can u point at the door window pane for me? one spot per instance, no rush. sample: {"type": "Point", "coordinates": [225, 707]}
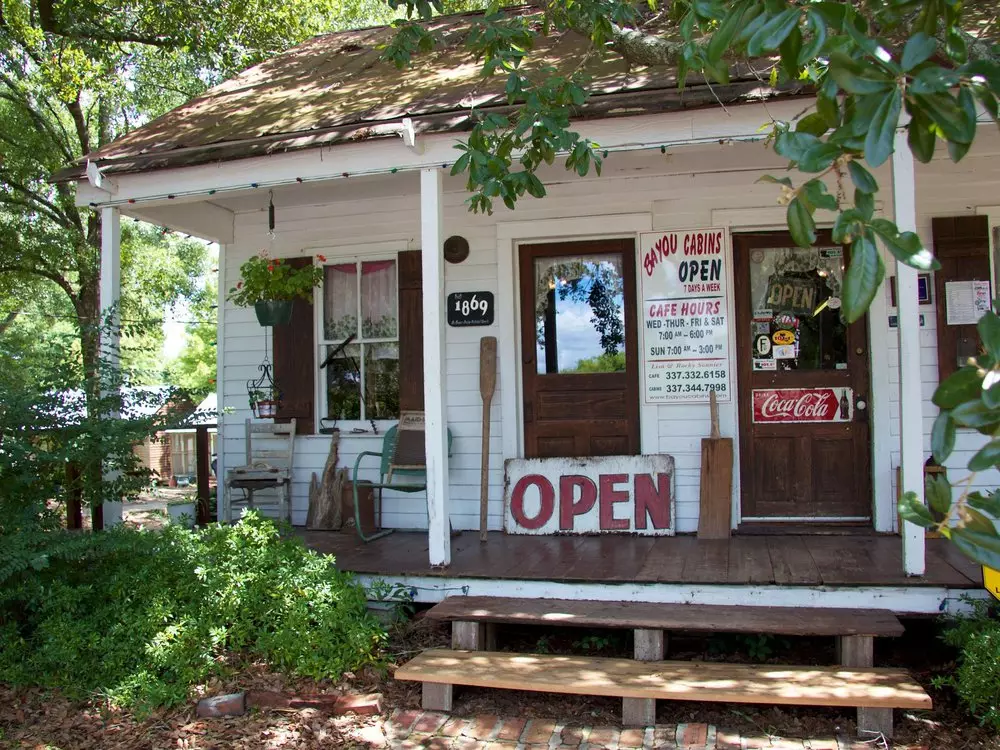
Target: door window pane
{"type": "Point", "coordinates": [795, 297]}
{"type": "Point", "coordinates": [343, 384]}
{"type": "Point", "coordinates": [378, 299]}
{"type": "Point", "coordinates": [381, 381]}
{"type": "Point", "coordinates": [580, 314]}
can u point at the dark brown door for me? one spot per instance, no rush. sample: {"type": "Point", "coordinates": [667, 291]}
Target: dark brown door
{"type": "Point", "coordinates": [804, 384]}
{"type": "Point", "coordinates": [578, 344]}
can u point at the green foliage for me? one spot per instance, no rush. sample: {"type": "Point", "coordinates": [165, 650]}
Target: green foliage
{"type": "Point", "coordinates": [969, 398]}
{"type": "Point", "coordinates": [977, 679]}
{"type": "Point", "coordinates": [601, 363]}
{"type": "Point", "coordinates": [869, 63]}
{"type": "Point", "coordinates": [264, 278]}
{"type": "Point", "coordinates": [193, 369]}
{"type": "Point", "coordinates": [142, 616]}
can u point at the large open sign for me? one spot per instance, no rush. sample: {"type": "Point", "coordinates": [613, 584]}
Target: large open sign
{"type": "Point", "coordinates": [623, 494]}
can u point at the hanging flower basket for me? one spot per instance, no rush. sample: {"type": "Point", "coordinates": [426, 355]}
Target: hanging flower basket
{"type": "Point", "coordinates": [265, 409]}
{"type": "Point", "coordinates": [271, 285]}
{"type": "Point", "coordinates": [273, 312]}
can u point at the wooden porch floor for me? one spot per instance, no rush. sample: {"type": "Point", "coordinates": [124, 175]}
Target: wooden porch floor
{"type": "Point", "coordinates": [848, 560]}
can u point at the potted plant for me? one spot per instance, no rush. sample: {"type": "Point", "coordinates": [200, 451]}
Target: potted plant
{"type": "Point", "coordinates": [264, 403]}
{"type": "Point", "coordinates": [182, 511]}
{"type": "Point", "coordinates": [271, 285]}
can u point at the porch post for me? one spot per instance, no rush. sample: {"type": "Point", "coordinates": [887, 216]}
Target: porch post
{"type": "Point", "coordinates": [911, 426]}
{"type": "Point", "coordinates": [435, 402]}
{"type": "Point", "coordinates": [110, 294]}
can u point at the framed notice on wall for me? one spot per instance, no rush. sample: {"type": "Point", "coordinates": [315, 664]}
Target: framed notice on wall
{"type": "Point", "coordinates": [685, 324]}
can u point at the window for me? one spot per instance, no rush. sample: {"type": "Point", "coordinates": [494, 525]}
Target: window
{"type": "Point", "coordinates": [360, 340]}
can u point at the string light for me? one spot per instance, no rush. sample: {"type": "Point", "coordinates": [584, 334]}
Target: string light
{"type": "Point", "coordinates": [626, 147]}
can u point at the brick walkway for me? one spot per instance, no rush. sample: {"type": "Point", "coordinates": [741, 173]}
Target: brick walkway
{"type": "Point", "coordinates": [411, 729]}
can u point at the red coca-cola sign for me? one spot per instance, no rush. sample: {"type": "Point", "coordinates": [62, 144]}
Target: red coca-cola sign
{"type": "Point", "coordinates": [802, 405]}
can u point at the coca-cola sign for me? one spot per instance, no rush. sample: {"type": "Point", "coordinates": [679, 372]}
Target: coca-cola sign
{"type": "Point", "coordinates": [782, 405]}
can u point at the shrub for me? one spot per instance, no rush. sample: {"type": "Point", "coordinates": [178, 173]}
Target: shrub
{"type": "Point", "coordinates": [977, 678]}
{"type": "Point", "coordinates": [142, 616]}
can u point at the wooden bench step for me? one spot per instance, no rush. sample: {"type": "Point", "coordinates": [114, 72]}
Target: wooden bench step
{"type": "Point", "coordinates": [709, 618]}
{"type": "Point", "coordinates": [705, 681]}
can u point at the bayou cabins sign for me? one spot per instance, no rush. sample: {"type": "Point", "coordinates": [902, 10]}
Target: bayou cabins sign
{"type": "Point", "coordinates": [623, 494]}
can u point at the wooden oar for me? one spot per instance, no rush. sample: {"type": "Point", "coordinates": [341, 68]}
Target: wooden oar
{"type": "Point", "coordinates": [487, 386]}
{"type": "Point", "coordinates": [716, 480]}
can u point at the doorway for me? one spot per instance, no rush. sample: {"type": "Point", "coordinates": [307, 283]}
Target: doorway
{"type": "Point", "coordinates": [805, 451]}
{"type": "Point", "coordinates": [580, 369]}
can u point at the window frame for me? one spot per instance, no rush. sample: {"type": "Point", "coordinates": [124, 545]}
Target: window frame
{"type": "Point", "coordinates": [357, 256]}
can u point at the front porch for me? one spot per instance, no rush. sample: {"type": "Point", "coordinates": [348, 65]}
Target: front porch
{"type": "Point", "coordinates": [853, 570]}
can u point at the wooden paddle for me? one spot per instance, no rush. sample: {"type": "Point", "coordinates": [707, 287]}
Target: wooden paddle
{"type": "Point", "coordinates": [487, 386]}
{"type": "Point", "coordinates": [716, 480]}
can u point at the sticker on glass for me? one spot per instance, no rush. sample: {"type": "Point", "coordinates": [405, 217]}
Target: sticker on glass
{"type": "Point", "coordinates": [762, 346]}
{"type": "Point", "coordinates": [760, 328]}
{"type": "Point", "coordinates": [764, 364]}
{"type": "Point", "coordinates": [756, 256]}
{"type": "Point", "coordinates": [786, 351]}
{"type": "Point", "coordinates": [831, 252]}
{"type": "Point", "coordinates": [833, 303]}
{"type": "Point", "coordinates": [783, 337]}
{"type": "Point", "coordinates": [786, 321]}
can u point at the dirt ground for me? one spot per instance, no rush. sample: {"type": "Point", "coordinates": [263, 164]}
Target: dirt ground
{"type": "Point", "coordinates": [42, 720]}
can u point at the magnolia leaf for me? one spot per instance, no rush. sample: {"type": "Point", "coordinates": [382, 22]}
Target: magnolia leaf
{"type": "Point", "coordinates": [864, 274]}
{"type": "Point", "coordinates": [882, 130]}
{"type": "Point", "coordinates": [918, 49]}
{"type": "Point", "coordinates": [801, 224]}
{"type": "Point", "coordinates": [943, 437]}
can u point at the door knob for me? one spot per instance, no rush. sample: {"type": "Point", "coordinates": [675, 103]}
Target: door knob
{"type": "Point", "coordinates": [861, 405]}
{"type": "Point", "coordinates": [859, 351]}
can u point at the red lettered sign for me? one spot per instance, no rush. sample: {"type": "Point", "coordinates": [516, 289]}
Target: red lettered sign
{"type": "Point", "coordinates": [783, 405]}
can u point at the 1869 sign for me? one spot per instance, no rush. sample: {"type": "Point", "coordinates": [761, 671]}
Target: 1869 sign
{"type": "Point", "coordinates": [470, 309]}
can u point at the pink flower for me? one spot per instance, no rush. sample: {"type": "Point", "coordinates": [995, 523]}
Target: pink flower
{"type": "Point", "coordinates": [322, 258]}
{"type": "Point", "coordinates": [239, 284]}
{"type": "Point", "coordinates": [270, 266]}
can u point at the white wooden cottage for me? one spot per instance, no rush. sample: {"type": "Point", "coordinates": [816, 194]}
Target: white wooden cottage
{"type": "Point", "coordinates": [618, 302]}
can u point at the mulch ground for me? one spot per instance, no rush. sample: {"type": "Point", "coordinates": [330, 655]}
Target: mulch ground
{"type": "Point", "coordinates": [45, 720]}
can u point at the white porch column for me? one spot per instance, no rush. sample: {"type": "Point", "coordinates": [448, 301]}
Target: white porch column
{"type": "Point", "coordinates": [110, 294]}
{"type": "Point", "coordinates": [435, 402]}
{"type": "Point", "coordinates": [911, 412]}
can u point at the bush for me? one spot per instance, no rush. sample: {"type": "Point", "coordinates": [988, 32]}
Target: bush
{"type": "Point", "coordinates": [977, 678]}
{"type": "Point", "coordinates": [142, 616]}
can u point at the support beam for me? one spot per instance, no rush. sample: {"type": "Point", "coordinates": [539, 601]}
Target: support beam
{"type": "Point", "coordinates": [911, 399]}
{"type": "Point", "coordinates": [435, 401]}
{"type": "Point", "coordinates": [110, 294]}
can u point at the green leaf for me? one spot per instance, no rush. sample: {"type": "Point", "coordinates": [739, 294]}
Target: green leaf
{"type": "Point", "coordinates": [723, 36]}
{"type": "Point", "coordinates": [862, 178]}
{"type": "Point", "coordinates": [981, 547]}
{"type": "Point", "coordinates": [818, 157]}
{"type": "Point", "coordinates": [914, 511]}
{"type": "Point", "coordinates": [879, 141]}
{"type": "Point", "coordinates": [810, 51]}
{"type": "Point", "coordinates": [778, 180]}
{"type": "Point", "coordinates": [918, 49]}
{"type": "Point", "coordinates": [990, 504]}
{"type": "Point", "coordinates": [790, 50]}
{"type": "Point", "coordinates": [801, 224]}
{"type": "Point", "coordinates": [989, 331]}
{"type": "Point", "coordinates": [961, 386]}
{"type": "Point", "coordinates": [905, 246]}
{"type": "Point", "coordinates": [773, 33]}
{"type": "Point", "coordinates": [794, 145]}
{"type": "Point", "coordinates": [937, 491]}
{"type": "Point", "coordinates": [975, 414]}
{"type": "Point", "coordinates": [943, 437]}
{"type": "Point", "coordinates": [814, 124]}
{"type": "Point", "coordinates": [986, 458]}
{"type": "Point", "coordinates": [827, 108]}
{"type": "Point", "coordinates": [857, 77]}
{"type": "Point", "coordinates": [816, 195]}
{"type": "Point", "coordinates": [921, 139]}
{"type": "Point", "coordinates": [461, 164]}
{"type": "Point", "coordinates": [862, 279]}
{"type": "Point", "coordinates": [945, 111]}
{"type": "Point", "coordinates": [865, 204]}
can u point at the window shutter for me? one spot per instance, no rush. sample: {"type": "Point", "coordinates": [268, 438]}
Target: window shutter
{"type": "Point", "coordinates": [411, 332]}
{"type": "Point", "coordinates": [961, 244]}
{"type": "Point", "coordinates": [294, 361]}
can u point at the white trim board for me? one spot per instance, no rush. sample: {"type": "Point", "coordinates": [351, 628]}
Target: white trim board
{"type": "Point", "coordinates": [911, 600]}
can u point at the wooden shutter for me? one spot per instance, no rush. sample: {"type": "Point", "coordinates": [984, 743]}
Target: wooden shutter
{"type": "Point", "coordinates": [294, 362]}
{"type": "Point", "coordinates": [961, 244]}
{"type": "Point", "coordinates": [411, 332]}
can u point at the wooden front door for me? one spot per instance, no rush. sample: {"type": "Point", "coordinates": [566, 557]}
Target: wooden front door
{"type": "Point", "coordinates": [803, 384]}
{"type": "Point", "coordinates": [578, 349]}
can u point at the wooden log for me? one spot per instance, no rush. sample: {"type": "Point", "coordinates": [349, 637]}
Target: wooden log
{"type": "Point", "coordinates": [649, 645]}
{"type": "Point", "coordinates": [859, 651]}
{"type": "Point", "coordinates": [325, 503]}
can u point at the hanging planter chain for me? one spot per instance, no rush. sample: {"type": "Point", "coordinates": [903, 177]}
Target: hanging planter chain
{"type": "Point", "coordinates": [265, 397]}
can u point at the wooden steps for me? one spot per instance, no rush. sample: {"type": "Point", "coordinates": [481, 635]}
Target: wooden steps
{"type": "Point", "coordinates": [674, 680]}
{"type": "Point", "coordinates": [707, 618]}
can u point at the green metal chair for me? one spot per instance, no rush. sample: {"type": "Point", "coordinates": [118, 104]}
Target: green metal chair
{"type": "Point", "coordinates": [390, 478]}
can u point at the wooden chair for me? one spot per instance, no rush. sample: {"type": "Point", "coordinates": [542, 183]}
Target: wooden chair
{"type": "Point", "coordinates": [402, 466]}
{"type": "Point", "coordinates": [269, 460]}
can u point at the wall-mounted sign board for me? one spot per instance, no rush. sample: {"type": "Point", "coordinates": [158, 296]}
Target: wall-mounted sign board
{"type": "Point", "coordinates": [609, 494]}
{"type": "Point", "coordinates": [685, 323]}
{"type": "Point", "coordinates": [785, 405]}
{"type": "Point", "coordinates": [470, 309]}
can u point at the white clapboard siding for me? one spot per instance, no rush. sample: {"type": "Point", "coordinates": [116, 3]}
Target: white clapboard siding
{"type": "Point", "coordinates": [685, 188]}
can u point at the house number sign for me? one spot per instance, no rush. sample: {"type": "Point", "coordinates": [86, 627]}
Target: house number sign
{"type": "Point", "coordinates": [470, 309]}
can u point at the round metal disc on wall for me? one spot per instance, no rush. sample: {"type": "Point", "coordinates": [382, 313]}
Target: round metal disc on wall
{"type": "Point", "coordinates": [456, 249]}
